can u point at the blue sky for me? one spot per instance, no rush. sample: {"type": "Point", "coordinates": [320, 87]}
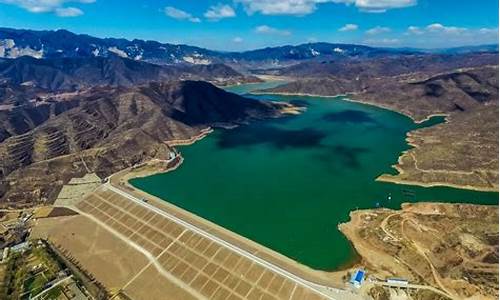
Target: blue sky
{"type": "Point", "coordinates": [250, 24]}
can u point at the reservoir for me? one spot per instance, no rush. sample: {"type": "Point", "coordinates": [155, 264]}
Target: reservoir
{"type": "Point", "coordinates": [286, 183]}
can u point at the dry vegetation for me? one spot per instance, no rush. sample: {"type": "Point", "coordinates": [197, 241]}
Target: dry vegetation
{"type": "Point", "coordinates": [452, 247]}
{"type": "Point", "coordinates": [461, 153]}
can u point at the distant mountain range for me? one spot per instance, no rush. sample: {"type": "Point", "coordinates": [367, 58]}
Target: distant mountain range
{"type": "Point", "coordinates": [388, 65]}
{"type": "Point", "coordinates": [416, 94]}
{"type": "Point", "coordinates": [71, 103]}
{"type": "Point", "coordinates": [62, 43]}
{"type": "Point", "coordinates": [75, 73]}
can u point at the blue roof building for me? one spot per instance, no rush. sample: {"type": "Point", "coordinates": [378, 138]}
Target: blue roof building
{"type": "Point", "coordinates": [358, 277]}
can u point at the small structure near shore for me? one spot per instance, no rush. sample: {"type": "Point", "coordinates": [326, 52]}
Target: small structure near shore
{"type": "Point", "coordinates": [171, 156]}
{"type": "Point", "coordinates": [357, 278]}
{"type": "Point", "coordinates": [398, 281]}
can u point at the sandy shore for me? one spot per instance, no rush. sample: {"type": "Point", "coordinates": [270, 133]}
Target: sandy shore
{"type": "Point", "coordinates": [184, 142]}
{"type": "Point", "coordinates": [396, 180]}
{"type": "Point", "coordinates": [274, 78]}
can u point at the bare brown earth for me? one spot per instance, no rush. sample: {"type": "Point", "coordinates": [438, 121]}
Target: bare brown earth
{"type": "Point", "coordinates": [452, 247]}
{"type": "Point", "coordinates": [139, 254]}
{"type": "Point", "coordinates": [106, 257]}
{"type": "Point", "coordinates": [108, 129]}
{"type": "Point", "coordinates": [463, 152]}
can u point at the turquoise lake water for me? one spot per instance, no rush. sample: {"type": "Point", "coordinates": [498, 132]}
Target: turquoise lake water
{"type": "Point", "coordinates": [286, 183]}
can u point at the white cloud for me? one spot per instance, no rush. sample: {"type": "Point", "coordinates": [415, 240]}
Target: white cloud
{"type": "Point", "coordinates": [178, 14]}
{"type": "Point", "coordinates": [439, 35]}
{"type": "Point", "coordinates": [378, 30]}
{"type": "Point", "coordinates": [237, 40]}
{"type": "Point", "coordinates": [383, 42]}
{"type": "Point", "coordinates": [349, 27]}
{"type": "Point", "coordinates": [437, 27]}
{"type": "Point", "coordinates": [284, 7]}
{"type": "Point", "coordinates": [304, 7]}
{"type": "Point", "coordinates": [219, 11]}
{"type": "Point", "coordinates": [68, 12]}
{"type": "Point", "coordinates": [414, 30]}
{"type": "Point", "coordinates": [493, 31]}
{"type": "Point", "coordinates": [49, 6]}
{"type": "Point", "coordinates": [378, 6]}
{"type": "Point", "coordinates": [264, 29]}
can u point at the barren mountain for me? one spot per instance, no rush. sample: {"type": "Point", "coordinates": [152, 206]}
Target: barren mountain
{"type": "Point", "coordinates": [62, 43]}
{"type": "Point", "coordinates": [108, 129]}
{"type": "Point", "coordinates": [395, 65]}
{"type": "Point", "coordinates": [83, 72]}
{"type": "Point", "coordinates": [462, 152]}
{"type": "Point", "coordinates": [455, 91]}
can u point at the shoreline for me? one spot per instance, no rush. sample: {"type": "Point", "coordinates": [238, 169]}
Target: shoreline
{"type": "Point", "coordinates": [122, 179]}
{"type": "Point", "coordinates": [379, 257]}
{"type": "Point", "coordinates": [356, 261]}
{"type": "Point", "coordinates": [388, 178]}
{"type": "Point", "coordinates": [347, 98]}
{"type": "Point", "coordinates": [393, 178]}
{"type": "Point", "coordinates": [397, 180]}
{"type": "Point", "coordinates": [153, 167]}
{"type": "Point", "coordinates": [189, 141]}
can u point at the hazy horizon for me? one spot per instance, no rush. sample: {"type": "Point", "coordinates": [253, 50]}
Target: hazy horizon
{"type": "Point", "coordinates": [254, 49]}
{"type": "Point", "coordinates": [240, 25]}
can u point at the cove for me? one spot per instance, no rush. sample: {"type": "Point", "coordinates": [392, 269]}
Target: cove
{"type": "Point", "coordinates": [286, 183]}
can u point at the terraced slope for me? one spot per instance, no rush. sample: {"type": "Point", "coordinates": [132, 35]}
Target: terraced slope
{"type": "Point", "coordinates": [113, 128]}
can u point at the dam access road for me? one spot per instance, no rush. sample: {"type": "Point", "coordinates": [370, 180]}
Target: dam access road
{"type": "Point", "coordinates": [167, 253]}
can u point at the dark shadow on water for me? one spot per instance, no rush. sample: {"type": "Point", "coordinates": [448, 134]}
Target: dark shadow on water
{"type": "Point", "coordinates": [343, 156]}
{"type": "Point", "coordinates": [349, 116]}
{"type": "Point", "coordinates": [277, 137]}
{"type": "Point", "coordinates": [299, 103]}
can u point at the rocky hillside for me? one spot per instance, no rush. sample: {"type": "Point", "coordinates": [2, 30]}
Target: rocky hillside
{"type": "Point", "coordinates": [417, 95]}
{"type": "Point", "coordinates": [328, 86]}
{"type": "Point", "coordinates": [396, 65]}
{"type": "Point", "coordinates": [456, 91]}
{"type": "Point", "coordinates": [72, 74]}
{"type": "Point", "coordinates": [463, 152]}
{"type": "Point", "coordinates": [62, 43]}
{"type": "Point", "coordinates": [107, 129]}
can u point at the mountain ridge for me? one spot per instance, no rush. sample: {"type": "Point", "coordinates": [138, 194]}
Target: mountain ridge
{"type": "Point", "coordinates": [64, 43]}
{"type": "Point", "coordinates": [73, 73]}
{"type": "Point", "coordinates": [112, 128]}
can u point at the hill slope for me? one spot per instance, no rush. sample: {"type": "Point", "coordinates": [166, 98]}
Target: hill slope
{"type": "Point", "coordinates": [109, 129]}
{"type": "Point", "coordinates": [83, 72]}
{"type": "Point", "coordinates": [462, 152]}
{"type": "Point", "coordinates": [395, 65]}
